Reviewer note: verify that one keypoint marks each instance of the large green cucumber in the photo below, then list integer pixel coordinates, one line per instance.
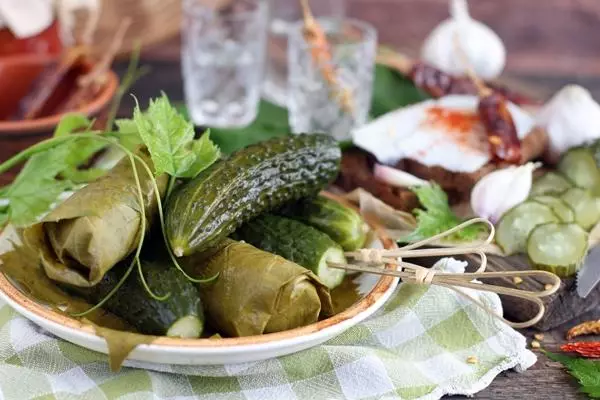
(300, 243)
(341, 223)
(180, 315)
(254, 180)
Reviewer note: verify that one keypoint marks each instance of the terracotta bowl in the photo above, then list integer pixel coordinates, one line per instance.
(17, 75)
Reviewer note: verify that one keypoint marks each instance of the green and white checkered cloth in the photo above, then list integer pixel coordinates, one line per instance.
(415, 347)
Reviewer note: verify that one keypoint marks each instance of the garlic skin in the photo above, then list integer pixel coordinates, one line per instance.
(26, 18)
(501, 190)
(570, 118)
(395, 177)
(481, 46)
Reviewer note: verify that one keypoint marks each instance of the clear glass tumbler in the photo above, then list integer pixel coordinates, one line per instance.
(284, 15)
(223, 59)
(330, 86)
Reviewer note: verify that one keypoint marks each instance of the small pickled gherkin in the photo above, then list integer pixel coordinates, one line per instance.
(296, 242)
(341, 223)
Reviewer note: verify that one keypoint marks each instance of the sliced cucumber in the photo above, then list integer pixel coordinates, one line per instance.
(585, 205)
(189, 326)
(559, 206)
(516, 225)
(550, 183)
(557, 247)
(579, 166)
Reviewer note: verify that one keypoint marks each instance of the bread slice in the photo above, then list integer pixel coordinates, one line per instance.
(357, 171)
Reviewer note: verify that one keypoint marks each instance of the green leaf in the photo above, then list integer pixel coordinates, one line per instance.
(35, 189)
(83, 175)
(79, 153)
(80, 150)
(391, 91)
(587, 372)
(71, 122)
(437, 216)
(271, 121)
(170, 139)
(206, 154)
(3, 217)
(129, 136)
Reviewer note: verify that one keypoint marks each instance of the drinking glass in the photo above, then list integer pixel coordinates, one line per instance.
(334, 96)
(283, 16)
(223, 57)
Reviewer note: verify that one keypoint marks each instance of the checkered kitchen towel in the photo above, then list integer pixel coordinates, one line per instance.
(415, 347)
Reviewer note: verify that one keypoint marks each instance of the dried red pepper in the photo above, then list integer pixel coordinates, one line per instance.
(500, 127)
(438, 83)
(585, 349)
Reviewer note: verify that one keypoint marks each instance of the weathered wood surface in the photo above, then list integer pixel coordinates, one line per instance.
(561, 307)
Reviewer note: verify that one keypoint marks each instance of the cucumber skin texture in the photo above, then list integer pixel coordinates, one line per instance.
(344, 225)
(287, 238)
(254, 180)
(132, 303)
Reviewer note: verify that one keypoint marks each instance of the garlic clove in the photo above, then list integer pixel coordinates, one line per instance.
(501, 190)
(571, 119)
(396, 177)
(26, 18)
(482, 47)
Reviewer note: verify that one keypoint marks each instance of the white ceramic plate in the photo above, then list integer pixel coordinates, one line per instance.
(376, 290)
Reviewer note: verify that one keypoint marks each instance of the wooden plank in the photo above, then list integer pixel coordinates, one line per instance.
(561, 308)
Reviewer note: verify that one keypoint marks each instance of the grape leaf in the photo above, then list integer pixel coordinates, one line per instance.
(71, 122)
(169, 138)
(128, 133)
(81, 150)
(35, 189)
(271, 121)
(587, 372)
(436, 216)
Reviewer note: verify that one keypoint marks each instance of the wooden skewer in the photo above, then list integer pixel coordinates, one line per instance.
(321, 54)
(395, 60)
(90, 83)
(415, 274)
(482, 89)
(97, 74)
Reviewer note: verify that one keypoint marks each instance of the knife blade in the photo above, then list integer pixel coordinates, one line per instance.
(588, 275)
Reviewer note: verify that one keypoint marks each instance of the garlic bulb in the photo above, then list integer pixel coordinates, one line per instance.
(26, 18)
(570, 118)
(66, 14)
(501, 190)
(480, 45)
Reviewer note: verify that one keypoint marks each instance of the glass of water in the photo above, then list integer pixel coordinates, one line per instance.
(223, 58)
(283, 16)
(330, 84)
